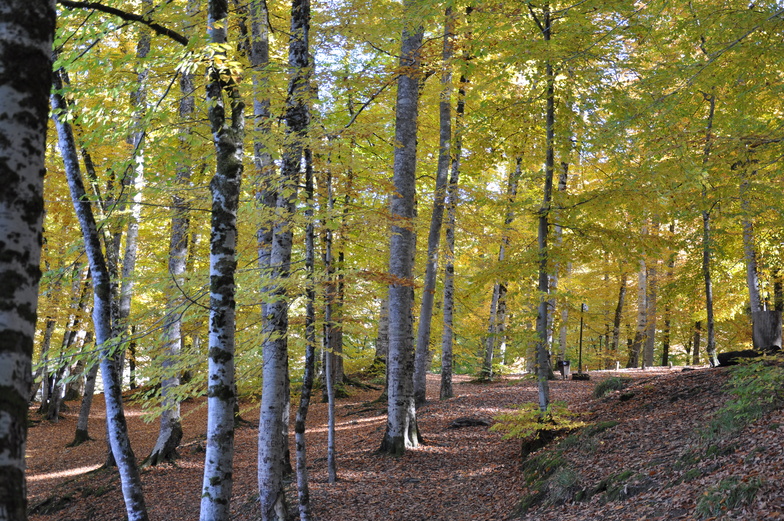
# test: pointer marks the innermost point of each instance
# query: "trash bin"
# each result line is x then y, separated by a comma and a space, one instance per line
564, 368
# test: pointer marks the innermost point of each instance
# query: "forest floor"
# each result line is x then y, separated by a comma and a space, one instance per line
641, 457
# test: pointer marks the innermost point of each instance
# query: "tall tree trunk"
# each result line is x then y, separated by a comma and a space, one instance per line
402, 431
228, 129
117, 426
434, 236
706, 237
542, 359
26, 62
303, 489
170, 429
275, 394
330, 338
447, 335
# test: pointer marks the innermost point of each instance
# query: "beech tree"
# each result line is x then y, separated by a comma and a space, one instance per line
402, 431
26, 35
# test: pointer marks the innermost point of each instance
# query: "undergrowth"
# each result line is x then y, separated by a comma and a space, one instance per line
608, 385
757, 387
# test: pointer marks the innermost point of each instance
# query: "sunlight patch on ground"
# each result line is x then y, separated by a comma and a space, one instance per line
64, 474
353, 423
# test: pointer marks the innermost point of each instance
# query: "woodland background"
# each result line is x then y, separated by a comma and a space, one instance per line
642, 140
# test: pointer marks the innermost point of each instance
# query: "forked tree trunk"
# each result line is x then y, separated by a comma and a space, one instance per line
402, 431
117, 427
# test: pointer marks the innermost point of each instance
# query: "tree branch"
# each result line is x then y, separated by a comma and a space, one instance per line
124, 15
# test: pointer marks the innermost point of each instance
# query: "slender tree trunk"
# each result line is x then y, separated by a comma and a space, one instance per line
303, 489
434, 236
542, 359
696, 344
228, 128
447, 335
402, 431
650, 315
616, 334
330, 340
82, 423
706, 238
275, 394
170, 430
117, 427
642, 317
41, 374
26, 59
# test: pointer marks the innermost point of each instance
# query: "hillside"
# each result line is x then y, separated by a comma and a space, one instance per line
642, 457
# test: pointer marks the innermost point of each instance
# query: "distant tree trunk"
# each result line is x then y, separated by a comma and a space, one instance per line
401, 430
499, 288
82, 423
434, 236
382, 338
750, 255
616, 332
650, 315
696, 343
563, 178
41, 374
275, 397
667, 308
330, 334
642, 317
26, 62
117, 427
778, 290
226, 115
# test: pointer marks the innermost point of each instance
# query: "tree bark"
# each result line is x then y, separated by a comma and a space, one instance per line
650, 315
642, 317
401, 430
275, 393
696, 343
542, 360
616, 333
706, 237
26, 62
102, 304
434, 236
228, 131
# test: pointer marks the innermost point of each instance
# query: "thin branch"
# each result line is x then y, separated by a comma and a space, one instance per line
129, 17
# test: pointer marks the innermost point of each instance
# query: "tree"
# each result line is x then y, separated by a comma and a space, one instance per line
117, 428
275, 394
227, 121
402, 431
422, 358
25, 59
